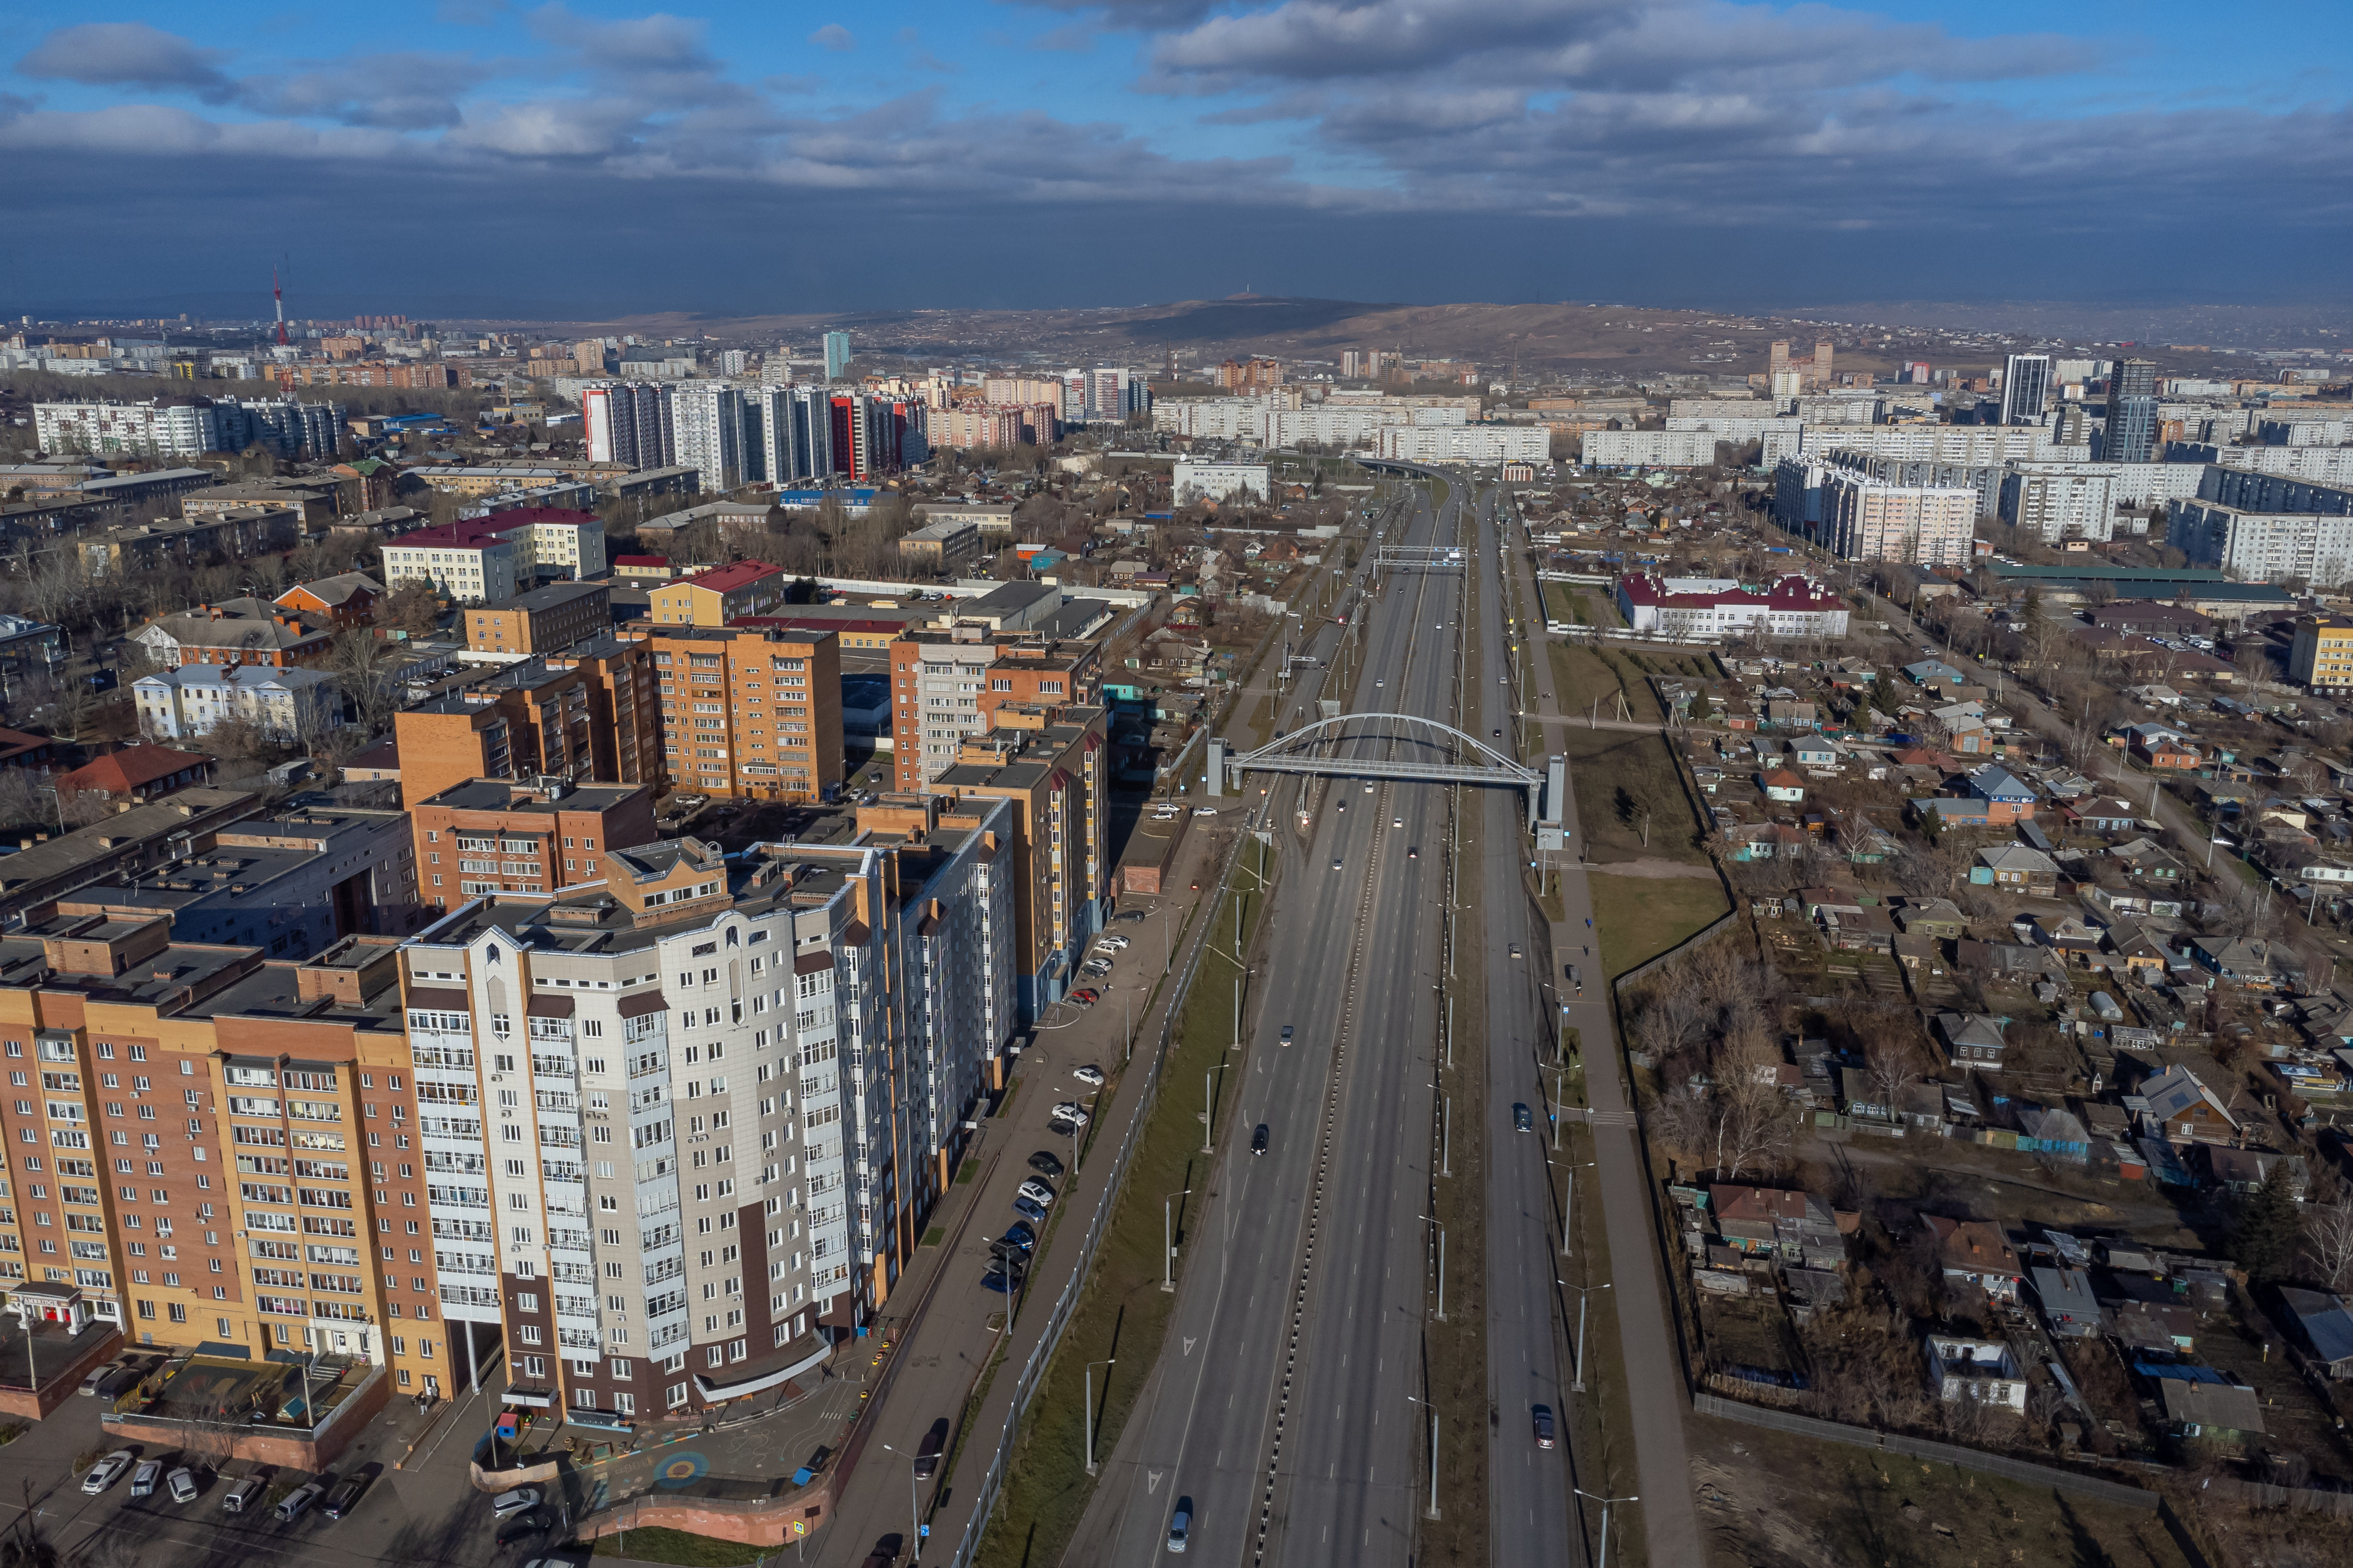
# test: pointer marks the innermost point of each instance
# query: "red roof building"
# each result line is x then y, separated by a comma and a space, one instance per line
138, 774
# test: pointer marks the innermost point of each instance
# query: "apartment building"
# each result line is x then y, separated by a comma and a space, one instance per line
545, 620
227, 1145
709, 1104
947, 684
230, 535
1466, 443
345, 599
2314, 548
2322, 654
2056, 504
750, 711
1866, 520
588, 712
720, 595
487, 836
290, 706
247, 631
482, 559
941, 549
1048, 762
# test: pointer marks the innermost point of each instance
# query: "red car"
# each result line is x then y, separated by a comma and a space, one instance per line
1088, 997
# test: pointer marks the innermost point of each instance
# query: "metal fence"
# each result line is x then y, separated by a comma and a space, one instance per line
1033, 1370
1921, 1448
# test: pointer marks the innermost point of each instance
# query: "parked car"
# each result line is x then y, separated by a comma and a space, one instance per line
523, 1525
927, 1455
1046, 1164
1205, 810
1019, 1241
292, 1505
1543, 1426
143, 1479
107, 1471
1003, 1276
100, 1375
1028, 1210
1112, 941
1090, 1075
1071, 1112
182, 1484
344, 1496
1086, 996
514, 1501
243, 1495
1131, 916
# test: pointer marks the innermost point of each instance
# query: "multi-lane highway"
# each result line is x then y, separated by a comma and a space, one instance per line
1279, 1408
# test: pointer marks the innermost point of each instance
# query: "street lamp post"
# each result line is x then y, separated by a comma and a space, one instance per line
1559, 1101
1209, 1106
1568, 1202
1430, 1511
915, 1507
1090, 1404
1577, 1384
1168, 1239
1602, 1561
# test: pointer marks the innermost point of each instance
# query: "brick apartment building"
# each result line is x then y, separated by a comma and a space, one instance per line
718, 596
493, 836
586, 713
948, 684
545, 620
752, 711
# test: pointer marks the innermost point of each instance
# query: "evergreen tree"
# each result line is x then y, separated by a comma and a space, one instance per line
2269, 1228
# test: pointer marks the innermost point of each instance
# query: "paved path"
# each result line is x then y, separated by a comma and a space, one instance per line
1652, 1368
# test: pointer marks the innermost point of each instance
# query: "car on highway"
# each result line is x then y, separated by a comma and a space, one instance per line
143, 1479
1257, 1140
1413, 851
1521, 1120
1368, 789
1380, 683
1287, 1034
1335, 862
1543, 1426
1037, 1192
1180, 1525
1499, 734
1090, 1075
1396, 822
1071, 1112
514, 1501
344, 1496
294, 1504
1514, 948
522, 1526
1045, 1163
1034, 1213
1344, 805
107, 1471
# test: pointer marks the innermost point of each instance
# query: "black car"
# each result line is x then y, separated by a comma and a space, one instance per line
1018, 1243
343, 1496
1003, 1276
1044, 1163
522, 1526
1257, 1140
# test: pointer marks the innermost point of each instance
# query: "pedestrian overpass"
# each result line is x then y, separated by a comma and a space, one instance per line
1399, 746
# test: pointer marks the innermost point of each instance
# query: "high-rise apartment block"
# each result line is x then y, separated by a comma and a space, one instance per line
753, 712
494, 836
628, 422
837, 354
796, 433
2025, 388
2130, 434
589, 712
2055, 502
707, 423
947, 684
1864, 518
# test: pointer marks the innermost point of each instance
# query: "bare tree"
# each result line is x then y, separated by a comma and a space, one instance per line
366, 670
2328, 1242
1891, 1061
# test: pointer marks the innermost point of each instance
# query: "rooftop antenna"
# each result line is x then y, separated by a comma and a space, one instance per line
277, 293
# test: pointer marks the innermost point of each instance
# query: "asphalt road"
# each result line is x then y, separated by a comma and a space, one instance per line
1280, 1406
1530, 1518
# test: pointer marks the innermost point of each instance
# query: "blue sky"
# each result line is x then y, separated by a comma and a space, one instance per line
795, 157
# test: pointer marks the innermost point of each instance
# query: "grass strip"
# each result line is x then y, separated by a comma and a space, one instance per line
1122, 1312
658, 1544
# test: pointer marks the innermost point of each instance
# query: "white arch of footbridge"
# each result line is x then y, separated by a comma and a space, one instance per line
1420, 751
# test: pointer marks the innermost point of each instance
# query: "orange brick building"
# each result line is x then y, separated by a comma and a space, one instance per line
750, 712
588, 713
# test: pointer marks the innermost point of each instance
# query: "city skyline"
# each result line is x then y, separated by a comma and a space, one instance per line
1732, 155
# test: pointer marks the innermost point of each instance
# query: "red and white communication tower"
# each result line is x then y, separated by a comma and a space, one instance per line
277, 293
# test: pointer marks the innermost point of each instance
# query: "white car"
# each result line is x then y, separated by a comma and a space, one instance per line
107, 1471
516, 1501
1112, 941
1205, 810
1072, 1112
1037, 1192
1092, 1077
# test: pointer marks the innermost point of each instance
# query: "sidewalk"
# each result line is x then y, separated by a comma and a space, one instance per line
1652, 1370
943, 1344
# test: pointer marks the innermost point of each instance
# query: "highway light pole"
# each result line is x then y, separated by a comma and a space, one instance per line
1568, 1202
1577, 1385
1088, 1401
1432, 1221
1602, 1561
915, 1507
1430, 1511
1168, 1240
1210, 1105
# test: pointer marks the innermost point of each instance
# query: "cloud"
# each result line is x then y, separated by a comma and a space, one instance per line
1132, 15
1074, 39
835, 36
396, 91
129, 54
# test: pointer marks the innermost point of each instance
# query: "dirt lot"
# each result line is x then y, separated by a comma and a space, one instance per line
1768, 1499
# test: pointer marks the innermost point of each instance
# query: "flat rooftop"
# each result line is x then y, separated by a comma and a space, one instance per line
497, 795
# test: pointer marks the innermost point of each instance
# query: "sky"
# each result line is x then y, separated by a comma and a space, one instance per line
572, 158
